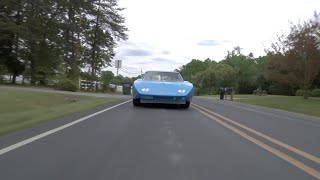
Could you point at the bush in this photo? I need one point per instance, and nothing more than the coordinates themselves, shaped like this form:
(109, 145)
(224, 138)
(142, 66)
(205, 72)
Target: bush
(280, 89)
(196, 91)
(260, 92)
(300, 92)
(315, 93)
(1, 80)
(67, 85)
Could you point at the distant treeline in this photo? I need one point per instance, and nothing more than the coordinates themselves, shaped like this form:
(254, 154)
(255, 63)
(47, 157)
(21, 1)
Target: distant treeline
(292, 63)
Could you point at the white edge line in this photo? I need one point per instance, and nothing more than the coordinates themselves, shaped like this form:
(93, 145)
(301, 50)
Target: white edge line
(42, 135)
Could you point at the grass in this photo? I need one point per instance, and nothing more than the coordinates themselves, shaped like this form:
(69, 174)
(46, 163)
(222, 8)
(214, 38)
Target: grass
(20, 109)
(297, 104)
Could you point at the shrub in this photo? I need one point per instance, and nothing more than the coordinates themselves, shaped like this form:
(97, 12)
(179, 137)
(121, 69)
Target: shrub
(259, 92)
(300, 92)
(196, 91)
(315, 93)
(67, 85)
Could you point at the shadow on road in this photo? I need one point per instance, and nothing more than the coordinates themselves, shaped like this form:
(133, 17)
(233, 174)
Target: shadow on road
(161, 106)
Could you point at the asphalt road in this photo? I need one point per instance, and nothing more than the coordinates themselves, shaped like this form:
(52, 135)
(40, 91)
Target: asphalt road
(212, 139)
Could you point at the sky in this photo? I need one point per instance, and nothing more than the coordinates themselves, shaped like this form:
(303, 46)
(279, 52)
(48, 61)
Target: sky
(166, 34)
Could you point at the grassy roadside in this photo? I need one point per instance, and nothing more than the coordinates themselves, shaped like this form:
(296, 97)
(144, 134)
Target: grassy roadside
(24, 109)
(297, 104)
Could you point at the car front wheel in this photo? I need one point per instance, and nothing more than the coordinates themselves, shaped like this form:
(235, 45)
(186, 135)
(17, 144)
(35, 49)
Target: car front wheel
(136, 102)
(186, 105)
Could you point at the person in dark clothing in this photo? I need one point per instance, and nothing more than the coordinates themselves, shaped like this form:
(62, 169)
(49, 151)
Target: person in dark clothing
(222, 92)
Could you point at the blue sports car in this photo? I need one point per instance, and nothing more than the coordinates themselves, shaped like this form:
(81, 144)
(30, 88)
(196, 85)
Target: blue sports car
(162, 87)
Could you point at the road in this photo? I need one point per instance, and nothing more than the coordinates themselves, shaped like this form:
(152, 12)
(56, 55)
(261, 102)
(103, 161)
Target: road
(212, 139)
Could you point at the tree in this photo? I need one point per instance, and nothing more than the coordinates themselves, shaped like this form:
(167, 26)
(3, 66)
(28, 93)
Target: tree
(226, 75)
(118, 80)
(105, 28)
(192, 68)
(297, 54)
(39, 38)
(245, 68)
(106, 77)
(215, 76)
(262, 76)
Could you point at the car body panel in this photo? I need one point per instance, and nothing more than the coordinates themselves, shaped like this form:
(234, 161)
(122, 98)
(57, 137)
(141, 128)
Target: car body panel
(163, 92)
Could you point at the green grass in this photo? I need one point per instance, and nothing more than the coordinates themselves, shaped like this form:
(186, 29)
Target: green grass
(21, 109)
(297, 104)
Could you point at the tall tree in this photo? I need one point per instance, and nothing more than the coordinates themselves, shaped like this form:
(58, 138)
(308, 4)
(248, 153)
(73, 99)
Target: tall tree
(189, 70)
(42, 36)
(106, 27)
(245, 68)
(298, 54)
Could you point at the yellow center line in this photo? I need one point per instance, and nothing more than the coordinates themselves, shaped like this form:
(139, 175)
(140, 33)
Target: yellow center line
(274, 151)
(284, 145)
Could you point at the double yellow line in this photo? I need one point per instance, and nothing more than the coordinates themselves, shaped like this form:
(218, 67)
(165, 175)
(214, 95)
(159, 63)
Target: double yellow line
(222, 120)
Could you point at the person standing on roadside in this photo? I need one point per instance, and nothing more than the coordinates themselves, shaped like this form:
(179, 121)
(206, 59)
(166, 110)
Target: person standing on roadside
(222, 91)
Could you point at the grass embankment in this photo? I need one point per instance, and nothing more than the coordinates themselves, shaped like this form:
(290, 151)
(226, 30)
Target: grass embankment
(21, 109)
(297, 104)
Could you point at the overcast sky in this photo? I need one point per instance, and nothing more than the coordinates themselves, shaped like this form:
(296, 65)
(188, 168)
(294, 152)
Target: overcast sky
(165, 34)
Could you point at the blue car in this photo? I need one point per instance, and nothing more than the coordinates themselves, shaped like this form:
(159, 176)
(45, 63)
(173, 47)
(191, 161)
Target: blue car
(160, 87)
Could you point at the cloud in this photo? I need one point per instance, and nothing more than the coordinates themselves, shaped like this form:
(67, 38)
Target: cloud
(210, 42)
(166, 52)
(164, 60)
(137, 52)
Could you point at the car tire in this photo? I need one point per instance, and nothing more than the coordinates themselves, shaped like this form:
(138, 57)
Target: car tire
(136, 102)
(186, 105)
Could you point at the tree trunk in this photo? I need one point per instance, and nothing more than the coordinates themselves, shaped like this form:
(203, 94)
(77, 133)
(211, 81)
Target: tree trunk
(305, 81)
(305, 94)
(94, 45)
(13, 81)
(23, 78)
(32, 73)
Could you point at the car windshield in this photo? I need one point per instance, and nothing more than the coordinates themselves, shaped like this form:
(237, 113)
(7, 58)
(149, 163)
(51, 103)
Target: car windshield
(162, 76)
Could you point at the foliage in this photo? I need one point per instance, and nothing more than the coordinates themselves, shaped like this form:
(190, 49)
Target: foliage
(259, 92)
(292, 64)
(46, 38)
(296, 56)
(315, 93)
(117, 80)
(245, 68)
(106, 77)
(67, 85)
(217, 75)
(300, 92)
(189, 70)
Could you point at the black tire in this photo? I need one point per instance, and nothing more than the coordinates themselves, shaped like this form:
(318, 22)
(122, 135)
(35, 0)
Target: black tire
(136, 102)
(186, 106)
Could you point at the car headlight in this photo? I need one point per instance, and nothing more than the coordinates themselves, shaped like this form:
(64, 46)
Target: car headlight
(145, 89)
(181, 91)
